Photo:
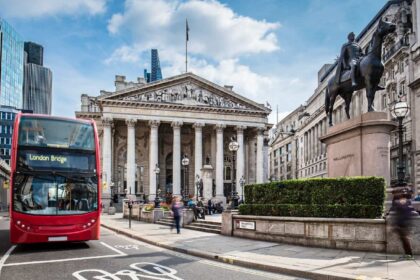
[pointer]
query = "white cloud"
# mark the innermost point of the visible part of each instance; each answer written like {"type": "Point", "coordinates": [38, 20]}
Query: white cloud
{"type": "Point", "coordinates": [41, 8]}
{"type": "Point", "coordinates": [219, 39]}
{"type": "Point", "coordinates": [216, 31]}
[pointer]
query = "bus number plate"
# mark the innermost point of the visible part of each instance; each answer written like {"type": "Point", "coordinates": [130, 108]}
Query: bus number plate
{"type": "Point", "coordinates": [57, 238]}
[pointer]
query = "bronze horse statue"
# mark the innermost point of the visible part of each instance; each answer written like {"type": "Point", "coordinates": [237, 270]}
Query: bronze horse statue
{"type": "Point", "coordinates": [369, 73]}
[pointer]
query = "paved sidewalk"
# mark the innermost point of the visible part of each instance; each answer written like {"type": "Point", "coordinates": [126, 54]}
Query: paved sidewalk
{"type": "Point", "coordinates": [307, 262]}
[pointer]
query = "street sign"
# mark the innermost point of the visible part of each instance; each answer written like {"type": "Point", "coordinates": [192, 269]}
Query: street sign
{"type": "Point", "coordinates": [247, 225]}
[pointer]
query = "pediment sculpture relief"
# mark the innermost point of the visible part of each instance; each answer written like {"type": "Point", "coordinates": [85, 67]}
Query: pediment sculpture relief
{"type": "Point", "coordinates": [186, 94]}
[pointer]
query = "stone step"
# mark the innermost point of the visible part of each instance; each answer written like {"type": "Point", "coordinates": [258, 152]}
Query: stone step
{"type": "Point", "coordinates": [208, 222]}
{"type": "Point", "coordinates": [164, 223]}
{"type": "Point", "coordinates": [198, 228]}
{"type": "Point", "coordinates": [201, 224]}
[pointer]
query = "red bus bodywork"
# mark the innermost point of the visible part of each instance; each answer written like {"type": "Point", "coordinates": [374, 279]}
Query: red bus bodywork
{"type": "Point", "coordinates": [53, 228]}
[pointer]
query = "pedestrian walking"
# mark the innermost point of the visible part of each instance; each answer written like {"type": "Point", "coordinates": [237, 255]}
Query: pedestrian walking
{"type": "Point", "coordinates": [176, 208]}
{"type": "Point", "coordinates": [401, 204]}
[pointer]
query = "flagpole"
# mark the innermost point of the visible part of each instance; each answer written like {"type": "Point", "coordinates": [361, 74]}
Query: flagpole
{"type": "Point", "coordinates": [186, 46]}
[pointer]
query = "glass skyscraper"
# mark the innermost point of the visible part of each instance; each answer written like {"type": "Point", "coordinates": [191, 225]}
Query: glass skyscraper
{"type": "Point", "coordinates": [37, 85]}
{"type": "Point", "coordinates": [156, 74]}
{"type": "Point", "coordinates": [11, 66]}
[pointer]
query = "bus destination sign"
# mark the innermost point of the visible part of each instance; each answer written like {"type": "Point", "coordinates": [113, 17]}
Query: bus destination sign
{"type": "Point", "coordinates": [66, 161]}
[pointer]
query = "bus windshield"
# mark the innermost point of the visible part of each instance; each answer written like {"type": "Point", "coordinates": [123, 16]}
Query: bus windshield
{"type": "Point", "coordinates": [47, 194]}
{"type": "Point", "coordinates": [44, 132]}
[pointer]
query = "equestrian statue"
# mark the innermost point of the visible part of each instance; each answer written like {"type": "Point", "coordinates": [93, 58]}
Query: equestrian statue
{"type": "Point", "coordinates": [356, 70]}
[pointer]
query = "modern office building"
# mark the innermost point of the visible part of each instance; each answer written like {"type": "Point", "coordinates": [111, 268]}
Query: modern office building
{"type": "Point", "coordinates": [11, 66]}
{"type": "Point", "coordinates": [7, 118]}
{"type": "Point", "coordinates": [37, 83]}
{"type": "Point", "coordinates": [296, 151]}
{"type": "Point", "coordinates": [156, 72]}
{"type": "Point", "coordinates": [35, 53]}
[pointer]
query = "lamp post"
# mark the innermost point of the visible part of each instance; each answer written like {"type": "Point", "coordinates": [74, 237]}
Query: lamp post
{"type": "Point", "coordinates": [185, 162]}
{"type": "Point", "coordinates": [242, 182]}
{"type": "Point", "coordinates": [399, 111]}
{"type": "Point", "coordinates": [233, 147]}
{"type": "Point", "coordinates": [157, 199]}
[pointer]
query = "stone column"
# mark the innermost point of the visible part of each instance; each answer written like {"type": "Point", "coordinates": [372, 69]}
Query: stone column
{"type": "Point", "coordinates": [219, 162]}
{"type": "Point", "coordinates": [305, 147]}
{"type": "Point", "coordinates": [198, 151]}
{"type": "Point", "coordinates": [315, 141]}
{"type": "Point", "coordinates": [131, 156]}
{"type": "Point", "coordinates": [260, 146]}
{"type": "Point", "coordinates": [176, 158]}
{"type": "Point", "coordinates": [309, 144]}
{"type": "Point", "coordinates": [240, 158]}
{"type": "Point", "coordinates": [106, 160]}
{"type": "Point", "coordinates": [153, 158]}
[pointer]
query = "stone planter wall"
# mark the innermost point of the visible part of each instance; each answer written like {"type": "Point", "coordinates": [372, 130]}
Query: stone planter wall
{"type": "Point", "coordinates": [349, 234]}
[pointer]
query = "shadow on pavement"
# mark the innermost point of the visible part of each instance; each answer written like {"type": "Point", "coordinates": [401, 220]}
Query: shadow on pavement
{"type": "Point", "coordinates": [48, 247]}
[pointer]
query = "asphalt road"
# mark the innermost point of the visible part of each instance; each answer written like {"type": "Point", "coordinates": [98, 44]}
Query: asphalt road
{"type": "Point", "coordinates": [113, 257]}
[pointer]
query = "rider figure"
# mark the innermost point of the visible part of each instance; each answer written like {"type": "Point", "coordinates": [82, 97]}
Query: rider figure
{"type": "Point", "coordinates": [350, 55]}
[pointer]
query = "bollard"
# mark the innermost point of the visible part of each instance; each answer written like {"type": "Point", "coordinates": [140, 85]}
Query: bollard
{"type": "Point", "coordinates": [130, 207]}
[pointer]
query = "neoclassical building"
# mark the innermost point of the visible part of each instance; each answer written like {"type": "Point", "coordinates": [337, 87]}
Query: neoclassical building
{"type": "Point", "coordinates": [146, 129]}
{"type": "Point", "coordinates": [295, 149]}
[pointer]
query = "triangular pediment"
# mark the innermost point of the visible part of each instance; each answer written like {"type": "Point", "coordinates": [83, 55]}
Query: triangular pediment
{"type": "Point", "coordinates": [189, 90]}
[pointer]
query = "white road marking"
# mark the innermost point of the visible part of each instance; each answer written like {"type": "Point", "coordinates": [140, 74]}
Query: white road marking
{"type": "Point", "coordinates": [120, 254]}
{"type": "Point", "coordinates": [149, 270]}
{"type": "Point", "coordinates": [4, 258]}
{"type": "Point", "coordinates": [114, 249]}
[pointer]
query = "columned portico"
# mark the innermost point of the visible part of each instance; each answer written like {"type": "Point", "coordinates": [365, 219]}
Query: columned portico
{"type": "Point", "coordinates": [106, 156]}
{"type": "Point", "coordinates": [219, 161]}
{"type": "Point", "coordinates": [176, 181]}
{"type": "Point", "coordinates": [131, 155]}
{"type": "Point", "coordinates": [154, 124]}
{"type": "Point", "coordinates": [153, 158]}
{"type": "Point", "coordinates": [260, 165]}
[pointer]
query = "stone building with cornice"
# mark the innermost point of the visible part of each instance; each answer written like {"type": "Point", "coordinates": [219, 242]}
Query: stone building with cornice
{"type": "Point", "coordinates": [146, 130]}
{"type": "Point", "coordinates": [302, 128]}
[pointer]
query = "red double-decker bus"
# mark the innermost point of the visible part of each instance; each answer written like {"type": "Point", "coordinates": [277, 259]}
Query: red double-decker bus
{"type": "Point", "coordinates": [55, 180]}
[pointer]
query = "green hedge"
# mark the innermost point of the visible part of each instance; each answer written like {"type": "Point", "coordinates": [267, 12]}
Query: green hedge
{"type": "Point", "coordinates": [314, 210]}
{"type": "Point", "coordinates": [356, 197]}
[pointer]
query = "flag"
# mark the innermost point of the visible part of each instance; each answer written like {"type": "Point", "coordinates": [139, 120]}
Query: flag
{"type": "Point", "coordinates": [187, 29]}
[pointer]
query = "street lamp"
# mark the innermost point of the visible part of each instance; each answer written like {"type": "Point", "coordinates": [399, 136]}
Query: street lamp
{"type": "Point", "coordinates": [157, 199]}
{"type": "Point", "coordinates": [185, 162]}
{"type": "Point", "coordinates": [399, 111]}
{"type": "Point", "coordinates": [242, 182]}
{"type": "Point", "coordinates": [233, 147]}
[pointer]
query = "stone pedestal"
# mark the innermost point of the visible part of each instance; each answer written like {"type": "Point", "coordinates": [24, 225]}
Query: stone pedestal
{"type": "Point", "coordinates": [360, 146]}
{"type": "Point", "coordinates": [207, 175]}
{"type": "Point", "coordinates": [227, 221]}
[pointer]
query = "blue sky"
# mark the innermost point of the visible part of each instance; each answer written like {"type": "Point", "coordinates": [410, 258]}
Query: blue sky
{"type": "Point", "coordinates": [269, 50]}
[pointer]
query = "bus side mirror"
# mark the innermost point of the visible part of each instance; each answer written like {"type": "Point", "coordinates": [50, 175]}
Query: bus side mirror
{"type": "Point", "coordinates": [6, 184]}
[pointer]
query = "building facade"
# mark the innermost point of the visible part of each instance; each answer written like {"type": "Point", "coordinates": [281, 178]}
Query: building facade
{"type": "Point", "coordinates": [7, 118]}
{"type": "Point", "coordinates": [156, 73]}
{"type": "Point", "coordinates": [11, 62]}
{"type": "Point", "coordinates": [4, 188]}
{"type": "Point", "coordinates": [37, 85]}
{"type": "Point", "coordinates": [401, 79]}
{"type": "Point", "coordinates": [148, 128]}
